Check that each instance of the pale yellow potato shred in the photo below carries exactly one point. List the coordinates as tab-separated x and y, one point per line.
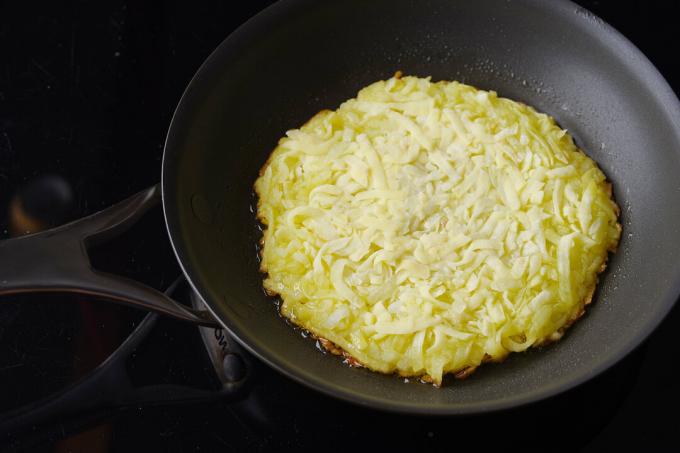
427	227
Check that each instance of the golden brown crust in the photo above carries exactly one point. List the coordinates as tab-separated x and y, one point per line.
337	350
425	379
353	361
465	372
328	345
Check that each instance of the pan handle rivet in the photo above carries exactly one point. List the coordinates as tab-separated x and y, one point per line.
234	367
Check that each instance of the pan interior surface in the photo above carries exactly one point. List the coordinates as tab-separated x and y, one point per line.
298	57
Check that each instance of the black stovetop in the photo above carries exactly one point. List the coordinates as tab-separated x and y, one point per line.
87	90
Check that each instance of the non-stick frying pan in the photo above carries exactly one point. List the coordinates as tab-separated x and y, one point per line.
300	56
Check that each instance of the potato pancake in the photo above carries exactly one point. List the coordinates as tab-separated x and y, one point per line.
424	228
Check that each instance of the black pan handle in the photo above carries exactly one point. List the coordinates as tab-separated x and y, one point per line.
57	260
109	387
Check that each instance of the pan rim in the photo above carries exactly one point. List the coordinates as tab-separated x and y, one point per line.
654	79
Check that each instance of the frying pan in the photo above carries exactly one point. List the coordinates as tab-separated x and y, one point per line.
300	56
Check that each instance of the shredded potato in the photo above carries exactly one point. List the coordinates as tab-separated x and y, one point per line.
427	227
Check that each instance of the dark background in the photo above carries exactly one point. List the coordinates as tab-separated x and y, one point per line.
87	90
